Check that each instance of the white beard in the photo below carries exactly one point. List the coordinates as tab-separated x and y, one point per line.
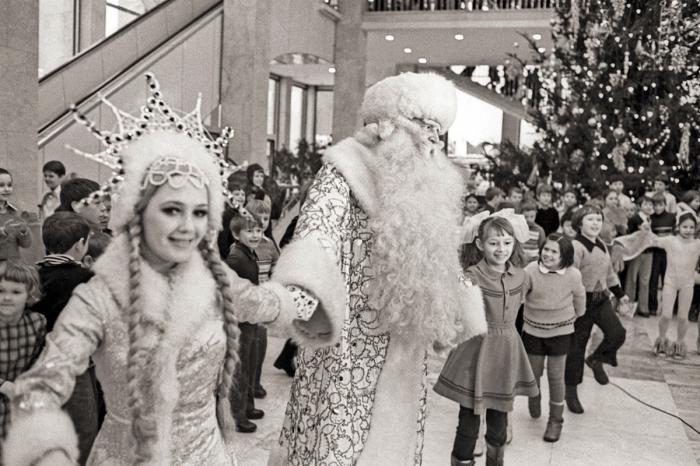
415	254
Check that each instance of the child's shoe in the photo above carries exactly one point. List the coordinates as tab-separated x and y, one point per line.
555	423
660	346
680	350
533	405
494	455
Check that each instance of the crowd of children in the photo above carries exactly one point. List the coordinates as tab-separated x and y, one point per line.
550	274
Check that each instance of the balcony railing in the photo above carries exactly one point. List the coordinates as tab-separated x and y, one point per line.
456	5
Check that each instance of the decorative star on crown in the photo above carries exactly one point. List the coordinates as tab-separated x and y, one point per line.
156	115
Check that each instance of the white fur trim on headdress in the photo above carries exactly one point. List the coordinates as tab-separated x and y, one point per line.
140	155
411	95
33	435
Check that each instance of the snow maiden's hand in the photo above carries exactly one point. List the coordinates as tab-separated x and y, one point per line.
318	327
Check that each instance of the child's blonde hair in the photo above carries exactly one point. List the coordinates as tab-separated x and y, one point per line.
17	271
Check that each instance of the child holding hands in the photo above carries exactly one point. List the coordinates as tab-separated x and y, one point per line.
554	298
485	373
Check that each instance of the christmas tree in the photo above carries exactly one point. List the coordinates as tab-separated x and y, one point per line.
617	95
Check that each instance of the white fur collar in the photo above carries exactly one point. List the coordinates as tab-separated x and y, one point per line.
352	160
180	303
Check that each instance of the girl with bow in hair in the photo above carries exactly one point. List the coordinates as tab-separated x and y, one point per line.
492	258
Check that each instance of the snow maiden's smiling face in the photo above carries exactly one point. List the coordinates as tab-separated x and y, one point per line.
174	223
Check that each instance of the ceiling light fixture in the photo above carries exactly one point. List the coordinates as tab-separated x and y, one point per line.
459	36
407	50
537	36
331	69
422	61
389	37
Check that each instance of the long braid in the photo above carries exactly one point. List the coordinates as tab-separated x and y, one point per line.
230	322
143	428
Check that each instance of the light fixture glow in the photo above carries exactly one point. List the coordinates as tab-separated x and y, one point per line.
389	37
537	36
331	69
542	50
422	61
407	50
459	36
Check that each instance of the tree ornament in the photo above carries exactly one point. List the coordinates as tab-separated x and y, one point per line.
619	134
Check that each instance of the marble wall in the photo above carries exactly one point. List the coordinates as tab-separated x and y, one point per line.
19	26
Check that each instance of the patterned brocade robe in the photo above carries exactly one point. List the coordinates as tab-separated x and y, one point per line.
364	400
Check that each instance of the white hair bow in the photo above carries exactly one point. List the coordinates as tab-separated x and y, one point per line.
470	227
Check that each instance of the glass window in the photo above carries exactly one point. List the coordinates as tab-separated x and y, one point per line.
56	33
296	117
119	13
272	90
324	117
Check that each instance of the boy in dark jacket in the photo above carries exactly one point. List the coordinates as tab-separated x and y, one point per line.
66	237
247	233
662	224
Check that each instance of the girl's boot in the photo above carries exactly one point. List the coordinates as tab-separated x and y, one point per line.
661	346
572	401
555	422
680	350
494	455
534	406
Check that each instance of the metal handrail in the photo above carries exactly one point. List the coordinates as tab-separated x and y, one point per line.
459	5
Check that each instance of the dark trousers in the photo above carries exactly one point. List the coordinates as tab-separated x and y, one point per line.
468	431
82	409
658	270
242	396
599	311
261	347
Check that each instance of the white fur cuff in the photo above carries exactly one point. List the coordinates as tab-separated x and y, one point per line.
33	435
304	263
473	313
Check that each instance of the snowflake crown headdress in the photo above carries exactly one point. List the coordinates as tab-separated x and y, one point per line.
155	115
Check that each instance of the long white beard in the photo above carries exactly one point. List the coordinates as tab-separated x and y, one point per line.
415	254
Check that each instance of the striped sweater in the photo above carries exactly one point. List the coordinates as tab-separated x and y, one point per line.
553	300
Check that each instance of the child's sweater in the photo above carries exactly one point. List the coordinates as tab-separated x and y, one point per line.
553	300
593	260
532	246
11	241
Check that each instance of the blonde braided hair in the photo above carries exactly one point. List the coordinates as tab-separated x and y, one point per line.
143	427
218	271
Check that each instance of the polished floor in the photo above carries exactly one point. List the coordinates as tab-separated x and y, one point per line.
614	430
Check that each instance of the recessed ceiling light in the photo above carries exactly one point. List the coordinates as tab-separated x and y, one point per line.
331	69
407	50
389	37
422	61
537	36
459	36
542	50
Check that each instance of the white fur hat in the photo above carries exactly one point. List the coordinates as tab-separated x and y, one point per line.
411	95
139	155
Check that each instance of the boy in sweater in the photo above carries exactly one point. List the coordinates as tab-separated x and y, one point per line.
537	236
247	233
639	268
66	237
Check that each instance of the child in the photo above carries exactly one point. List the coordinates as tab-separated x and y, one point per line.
236	186
96	246
73	192
471	205
615	223
565	226
54	172
660	188
617	184
554	298
268	254
682	253
14	231
592	259
485	373
515	197
639	268
536	240
547	216
569	201
22	332
66	237
247	233
662	224
690	202
493	197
